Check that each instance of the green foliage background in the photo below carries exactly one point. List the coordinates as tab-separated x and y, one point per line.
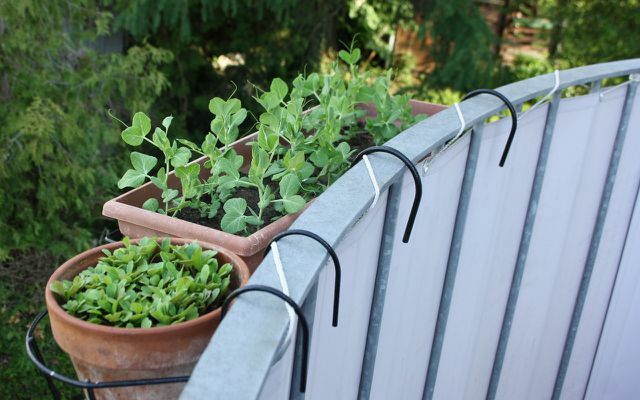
65	63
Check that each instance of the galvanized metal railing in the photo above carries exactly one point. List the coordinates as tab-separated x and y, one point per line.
244	359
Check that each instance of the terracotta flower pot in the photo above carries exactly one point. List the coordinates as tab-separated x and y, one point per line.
134	221
104	353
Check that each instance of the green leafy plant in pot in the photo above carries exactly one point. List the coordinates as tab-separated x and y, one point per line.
140	309
241	193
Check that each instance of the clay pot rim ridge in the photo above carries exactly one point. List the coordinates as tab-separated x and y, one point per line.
239	268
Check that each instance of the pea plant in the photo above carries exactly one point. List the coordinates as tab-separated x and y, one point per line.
303	144
149	284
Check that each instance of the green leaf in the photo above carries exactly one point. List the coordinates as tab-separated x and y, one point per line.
142	122
142	162
232	106
293	204
279	87
289	185
355	55
151	204
160	139
189	144
234	219
345	56
235	206
216	106
131	178
181	157
132	136
169	194
167	122
239	117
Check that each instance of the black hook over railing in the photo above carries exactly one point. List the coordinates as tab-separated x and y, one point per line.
33	352
512	110
301	319
332	254
416	180
112	236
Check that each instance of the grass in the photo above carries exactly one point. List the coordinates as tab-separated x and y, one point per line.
22	282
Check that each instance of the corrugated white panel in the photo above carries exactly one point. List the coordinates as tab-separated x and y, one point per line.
615	371
415	279
567	208
497	210
610	248
336	354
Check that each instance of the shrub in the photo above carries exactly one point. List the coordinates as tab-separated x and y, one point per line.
60	149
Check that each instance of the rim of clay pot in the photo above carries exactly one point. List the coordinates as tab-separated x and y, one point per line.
239	268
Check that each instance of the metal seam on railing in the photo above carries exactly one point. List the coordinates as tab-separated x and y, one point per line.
523	249
452	262
595	238
615	281
379	290
332	215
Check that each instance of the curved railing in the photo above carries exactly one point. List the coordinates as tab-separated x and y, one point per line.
246	345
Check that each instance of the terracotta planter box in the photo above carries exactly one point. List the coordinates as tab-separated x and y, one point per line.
134	221
103	353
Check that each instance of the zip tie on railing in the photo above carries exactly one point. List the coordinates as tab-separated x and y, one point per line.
285	289
463	125
556	85
374	181
635	77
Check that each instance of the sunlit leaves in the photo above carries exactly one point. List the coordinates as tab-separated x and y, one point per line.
295	155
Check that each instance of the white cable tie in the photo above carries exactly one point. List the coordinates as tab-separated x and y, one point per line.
463	124
632	78
285	289
556	85
374	181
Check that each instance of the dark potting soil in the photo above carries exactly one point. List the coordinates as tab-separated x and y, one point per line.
249	194
358	143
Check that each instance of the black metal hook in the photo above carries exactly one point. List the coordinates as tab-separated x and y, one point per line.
512	110
332	254
33	352
301	319
416	180
112	236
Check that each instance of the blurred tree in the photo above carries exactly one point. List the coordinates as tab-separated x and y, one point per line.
226	46
60	151
591	31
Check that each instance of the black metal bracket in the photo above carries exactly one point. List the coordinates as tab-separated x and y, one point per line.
33	352
301	319
332	254
416	180
512	110
112	236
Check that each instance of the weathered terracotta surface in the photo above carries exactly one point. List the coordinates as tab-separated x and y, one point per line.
134	221
103	353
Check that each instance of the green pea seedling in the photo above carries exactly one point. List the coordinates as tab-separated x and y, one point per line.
296	156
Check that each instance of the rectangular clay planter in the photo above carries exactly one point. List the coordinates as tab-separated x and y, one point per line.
135	222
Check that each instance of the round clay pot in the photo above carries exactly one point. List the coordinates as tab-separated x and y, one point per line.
103	353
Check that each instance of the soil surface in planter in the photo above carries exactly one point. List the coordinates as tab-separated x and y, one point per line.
358	143
249	194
